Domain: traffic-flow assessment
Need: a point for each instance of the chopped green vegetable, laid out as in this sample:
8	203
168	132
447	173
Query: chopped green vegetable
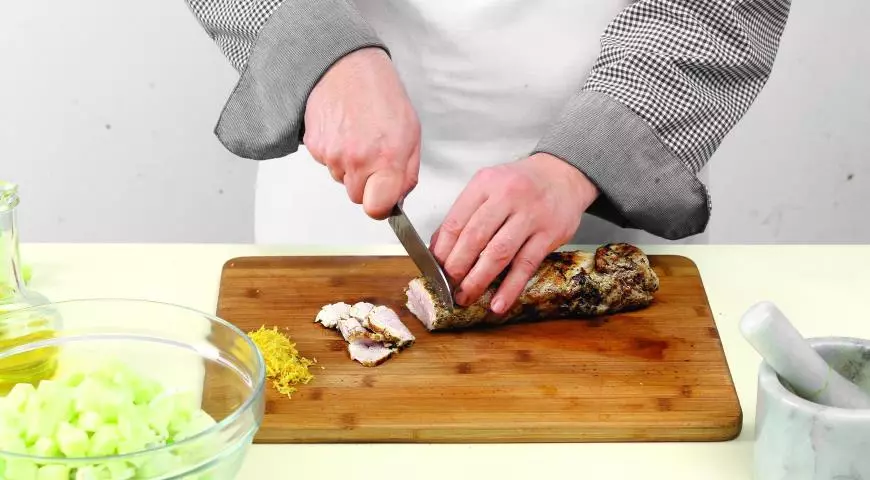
99	413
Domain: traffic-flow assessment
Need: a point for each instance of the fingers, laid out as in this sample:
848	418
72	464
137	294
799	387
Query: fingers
433	242
382	191
471	198
523	266
476	234
494	258
412	172
337	174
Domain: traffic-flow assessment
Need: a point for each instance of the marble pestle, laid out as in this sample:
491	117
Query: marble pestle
768	330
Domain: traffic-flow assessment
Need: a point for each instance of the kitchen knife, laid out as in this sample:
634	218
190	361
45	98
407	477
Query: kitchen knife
420	254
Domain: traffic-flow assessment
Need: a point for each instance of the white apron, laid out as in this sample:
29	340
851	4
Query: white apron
486	77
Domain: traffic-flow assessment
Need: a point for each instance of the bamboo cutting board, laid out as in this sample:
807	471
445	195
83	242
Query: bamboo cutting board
657	374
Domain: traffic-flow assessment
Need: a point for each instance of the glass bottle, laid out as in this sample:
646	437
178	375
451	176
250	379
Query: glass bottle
17	327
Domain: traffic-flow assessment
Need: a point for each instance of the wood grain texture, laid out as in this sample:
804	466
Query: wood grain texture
657	374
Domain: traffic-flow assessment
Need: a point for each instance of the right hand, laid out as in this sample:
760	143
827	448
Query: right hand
360	124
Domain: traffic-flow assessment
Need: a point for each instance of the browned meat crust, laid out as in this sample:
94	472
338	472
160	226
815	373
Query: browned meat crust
569	284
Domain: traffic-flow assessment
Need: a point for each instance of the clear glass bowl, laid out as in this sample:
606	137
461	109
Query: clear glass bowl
216	364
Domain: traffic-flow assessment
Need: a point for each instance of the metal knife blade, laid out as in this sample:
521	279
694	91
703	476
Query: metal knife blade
420	254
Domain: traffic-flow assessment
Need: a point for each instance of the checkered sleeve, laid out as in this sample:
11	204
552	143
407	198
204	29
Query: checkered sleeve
281	48
233	24
672	78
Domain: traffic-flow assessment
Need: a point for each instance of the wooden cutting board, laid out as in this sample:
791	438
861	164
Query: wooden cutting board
657	374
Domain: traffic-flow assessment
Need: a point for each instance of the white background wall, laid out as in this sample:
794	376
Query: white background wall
107	110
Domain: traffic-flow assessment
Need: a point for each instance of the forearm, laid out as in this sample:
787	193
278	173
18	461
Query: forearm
281	49
672	79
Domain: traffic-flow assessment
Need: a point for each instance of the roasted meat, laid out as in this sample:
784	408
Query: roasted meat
568	284
384	321
369	353
373	333
329	315
351	329
360	310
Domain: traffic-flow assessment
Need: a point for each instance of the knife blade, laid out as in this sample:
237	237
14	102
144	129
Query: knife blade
420	254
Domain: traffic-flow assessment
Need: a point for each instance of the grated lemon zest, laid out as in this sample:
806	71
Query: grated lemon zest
284	366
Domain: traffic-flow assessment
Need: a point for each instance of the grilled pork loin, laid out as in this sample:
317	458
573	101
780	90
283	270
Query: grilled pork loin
373	333
568	284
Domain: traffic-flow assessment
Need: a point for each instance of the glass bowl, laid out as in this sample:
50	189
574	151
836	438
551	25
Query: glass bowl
72	372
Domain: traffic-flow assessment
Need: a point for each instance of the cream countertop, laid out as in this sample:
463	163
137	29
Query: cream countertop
821	288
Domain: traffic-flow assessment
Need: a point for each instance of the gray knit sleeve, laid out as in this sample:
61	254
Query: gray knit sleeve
672	79
281	48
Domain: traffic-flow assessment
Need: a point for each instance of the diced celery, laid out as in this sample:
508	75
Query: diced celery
53	472
17	469
91	472
12	442
99	413
72	441
104	441
39	421
45	447
199	421
159	464
17	398
89	421
120	470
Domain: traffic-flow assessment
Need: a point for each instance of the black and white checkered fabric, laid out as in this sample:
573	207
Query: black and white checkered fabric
690	68
234	24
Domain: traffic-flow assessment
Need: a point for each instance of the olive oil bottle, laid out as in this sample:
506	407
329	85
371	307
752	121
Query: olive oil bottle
20	325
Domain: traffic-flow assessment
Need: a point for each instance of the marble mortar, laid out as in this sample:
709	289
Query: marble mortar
796	439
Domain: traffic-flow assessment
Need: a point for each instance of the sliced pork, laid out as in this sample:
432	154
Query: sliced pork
369	353
351	329
384	321
373	333
616	277
360	310
329	315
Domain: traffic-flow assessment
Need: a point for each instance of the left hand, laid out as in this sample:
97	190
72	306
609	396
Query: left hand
513	214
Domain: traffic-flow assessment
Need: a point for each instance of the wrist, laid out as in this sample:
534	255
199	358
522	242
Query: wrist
561	171
349	69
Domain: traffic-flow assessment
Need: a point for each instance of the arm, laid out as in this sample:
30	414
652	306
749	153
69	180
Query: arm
672	79
281	49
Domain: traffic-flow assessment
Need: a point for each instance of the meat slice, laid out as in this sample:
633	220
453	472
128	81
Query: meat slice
330	314
360	310
373	333
369	353
351	329
383	320
568	284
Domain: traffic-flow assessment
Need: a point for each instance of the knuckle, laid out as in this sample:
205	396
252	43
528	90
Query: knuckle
354	159
389	152
516	184
486	174
525	265
476	236
451	226
330	158
454	270
499	252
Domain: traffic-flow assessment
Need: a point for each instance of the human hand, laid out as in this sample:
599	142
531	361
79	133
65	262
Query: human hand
360	124
513	214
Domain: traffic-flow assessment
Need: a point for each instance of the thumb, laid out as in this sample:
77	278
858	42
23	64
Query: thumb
382	192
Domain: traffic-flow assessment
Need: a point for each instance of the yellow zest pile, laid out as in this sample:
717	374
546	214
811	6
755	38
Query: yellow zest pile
284	366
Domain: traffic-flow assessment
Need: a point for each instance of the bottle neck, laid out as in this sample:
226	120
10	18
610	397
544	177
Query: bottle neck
11	277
